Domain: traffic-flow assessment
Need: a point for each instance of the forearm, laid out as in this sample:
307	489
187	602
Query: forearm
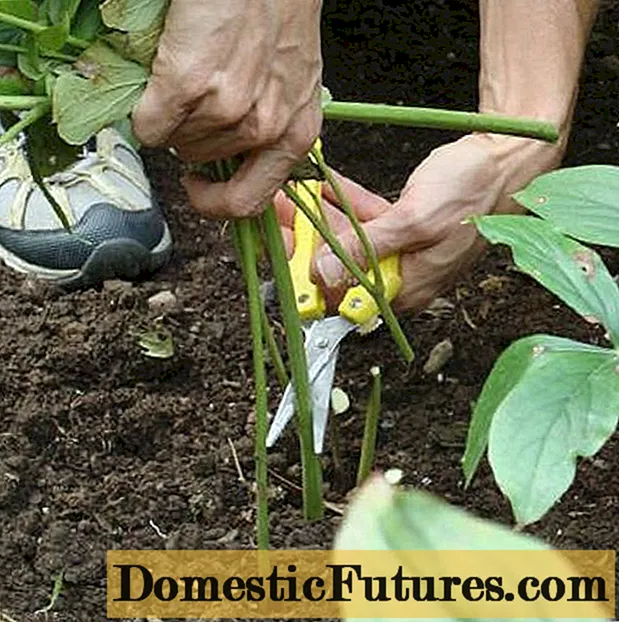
531	56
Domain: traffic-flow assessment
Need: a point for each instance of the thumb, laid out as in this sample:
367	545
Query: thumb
384	233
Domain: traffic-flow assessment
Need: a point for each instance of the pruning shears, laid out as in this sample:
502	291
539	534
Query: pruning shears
358	312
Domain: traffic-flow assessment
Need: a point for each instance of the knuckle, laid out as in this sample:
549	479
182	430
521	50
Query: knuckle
237	205
229	109
303	134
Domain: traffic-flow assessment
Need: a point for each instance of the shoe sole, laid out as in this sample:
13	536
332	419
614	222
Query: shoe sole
119	258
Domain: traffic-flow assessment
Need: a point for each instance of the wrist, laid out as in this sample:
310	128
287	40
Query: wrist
517	161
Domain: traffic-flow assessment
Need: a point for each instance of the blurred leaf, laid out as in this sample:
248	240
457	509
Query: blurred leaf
582	202
157	343
383	517
571	271
14	84
140	46
132	15
109	90
564	406
53	37
60	11
87	21
26	9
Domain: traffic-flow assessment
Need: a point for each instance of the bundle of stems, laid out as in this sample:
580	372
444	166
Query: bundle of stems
261	332
67	47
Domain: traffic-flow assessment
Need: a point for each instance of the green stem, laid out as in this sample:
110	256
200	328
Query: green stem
35	28
274	353
18	49
22	102
312	475
34	114
334	429
371	426
390	319
245	241
440	119
368	247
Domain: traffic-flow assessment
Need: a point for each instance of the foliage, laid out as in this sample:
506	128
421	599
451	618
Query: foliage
550	400
408	521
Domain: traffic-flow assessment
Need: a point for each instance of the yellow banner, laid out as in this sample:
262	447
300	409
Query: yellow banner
361	584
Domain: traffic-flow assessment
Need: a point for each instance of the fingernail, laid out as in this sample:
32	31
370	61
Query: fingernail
331	269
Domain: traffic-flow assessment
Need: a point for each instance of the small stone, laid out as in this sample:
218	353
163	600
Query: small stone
440	354
116	286
163	302
268	293
217	329
394	476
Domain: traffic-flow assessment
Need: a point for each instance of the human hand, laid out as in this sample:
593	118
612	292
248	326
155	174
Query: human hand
231	77
472	176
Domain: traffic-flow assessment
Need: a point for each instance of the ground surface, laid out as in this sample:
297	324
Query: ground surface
101	447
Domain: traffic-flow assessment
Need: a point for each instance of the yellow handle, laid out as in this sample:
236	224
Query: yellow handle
310	301
359	306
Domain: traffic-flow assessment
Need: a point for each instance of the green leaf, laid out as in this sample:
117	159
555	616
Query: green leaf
87	21
383	517
140	46
61	10
108	91
571	271
53	37
564	406
14	85
582	202
26	9
132	15
49	152
505	375
157	343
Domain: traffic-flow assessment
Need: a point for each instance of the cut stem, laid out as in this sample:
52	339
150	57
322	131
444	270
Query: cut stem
245	241
312	475
371	427
440	119
35	28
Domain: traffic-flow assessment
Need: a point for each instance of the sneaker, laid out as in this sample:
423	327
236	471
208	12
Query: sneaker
117	229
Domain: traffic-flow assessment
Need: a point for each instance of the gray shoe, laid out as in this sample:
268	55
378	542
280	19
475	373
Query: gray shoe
117	230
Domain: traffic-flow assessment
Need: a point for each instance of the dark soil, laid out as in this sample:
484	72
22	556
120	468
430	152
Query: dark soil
102	447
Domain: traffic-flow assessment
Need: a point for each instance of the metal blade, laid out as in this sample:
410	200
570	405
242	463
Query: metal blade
321	400
321	346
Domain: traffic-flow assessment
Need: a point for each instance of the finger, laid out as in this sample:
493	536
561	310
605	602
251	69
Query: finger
158	113
264	123
384	234
285	209
249	190
366	204
288	237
